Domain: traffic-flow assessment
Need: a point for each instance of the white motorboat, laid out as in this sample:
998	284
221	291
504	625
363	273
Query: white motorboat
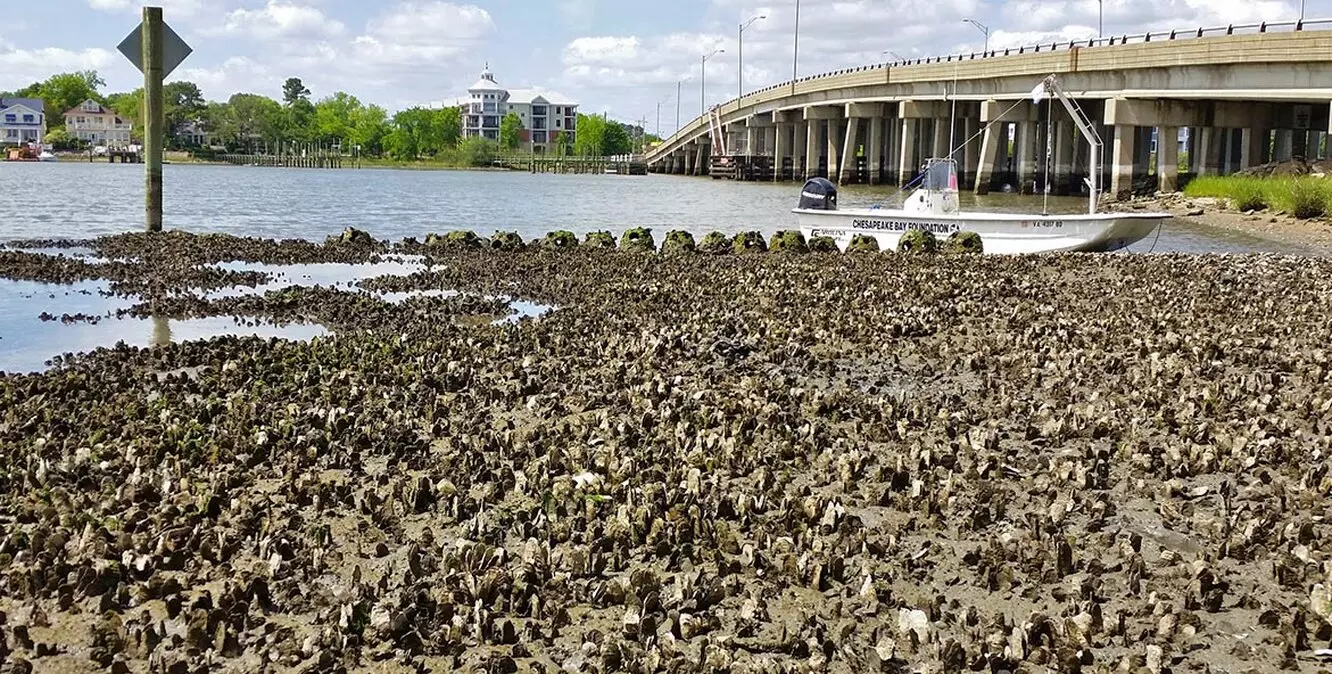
933	207
47	156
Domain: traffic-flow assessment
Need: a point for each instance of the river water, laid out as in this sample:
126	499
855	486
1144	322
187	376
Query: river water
78	200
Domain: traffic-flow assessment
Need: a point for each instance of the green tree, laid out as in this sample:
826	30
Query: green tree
411	134
447	123
298	121
253	119
66	90
128	106
510	132
334	117
60	139
478	151
368	129
616	140
183	103
293	90
589	136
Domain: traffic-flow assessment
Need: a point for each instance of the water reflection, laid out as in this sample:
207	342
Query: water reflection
85	313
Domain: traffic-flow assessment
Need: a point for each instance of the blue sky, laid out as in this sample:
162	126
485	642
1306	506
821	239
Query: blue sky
623	57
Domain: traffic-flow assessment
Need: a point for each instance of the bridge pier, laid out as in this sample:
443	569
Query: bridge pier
1167	158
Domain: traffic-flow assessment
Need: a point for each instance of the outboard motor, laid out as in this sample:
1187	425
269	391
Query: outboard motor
819	194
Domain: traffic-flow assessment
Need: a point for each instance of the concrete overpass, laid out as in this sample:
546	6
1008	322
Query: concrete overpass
1248	94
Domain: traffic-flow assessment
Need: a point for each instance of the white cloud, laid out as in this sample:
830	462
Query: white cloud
235	75
170	8
281	20
21	67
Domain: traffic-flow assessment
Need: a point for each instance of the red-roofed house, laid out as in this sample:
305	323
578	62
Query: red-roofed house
98	125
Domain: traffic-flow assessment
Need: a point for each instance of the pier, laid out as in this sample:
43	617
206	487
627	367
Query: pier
1246	94
319	160
621	165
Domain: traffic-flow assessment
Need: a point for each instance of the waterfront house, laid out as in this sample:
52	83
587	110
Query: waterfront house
22	121
547	117
97	125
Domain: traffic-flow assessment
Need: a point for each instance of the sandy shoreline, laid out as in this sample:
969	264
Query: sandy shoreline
1268	224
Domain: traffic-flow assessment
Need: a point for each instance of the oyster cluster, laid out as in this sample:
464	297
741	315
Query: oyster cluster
699	462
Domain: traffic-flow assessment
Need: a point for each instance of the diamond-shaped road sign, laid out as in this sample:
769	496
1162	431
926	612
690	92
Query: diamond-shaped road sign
174	49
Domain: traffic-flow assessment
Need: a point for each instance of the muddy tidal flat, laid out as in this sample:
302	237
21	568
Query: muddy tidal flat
594	460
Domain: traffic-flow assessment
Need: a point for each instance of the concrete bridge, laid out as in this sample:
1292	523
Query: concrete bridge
1248	95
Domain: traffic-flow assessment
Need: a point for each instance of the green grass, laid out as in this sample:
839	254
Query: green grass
1301	196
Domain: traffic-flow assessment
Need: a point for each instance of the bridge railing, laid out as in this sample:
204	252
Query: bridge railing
757	95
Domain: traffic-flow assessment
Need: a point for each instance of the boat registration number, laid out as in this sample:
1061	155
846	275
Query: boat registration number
1042	223
905	225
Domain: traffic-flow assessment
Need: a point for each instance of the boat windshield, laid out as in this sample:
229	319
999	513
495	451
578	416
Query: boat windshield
940	175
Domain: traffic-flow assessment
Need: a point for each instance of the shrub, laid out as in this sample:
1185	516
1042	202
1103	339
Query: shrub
1247	196
788	241
1308	199
639	239
823	244
560	240
715	243
599	240
749	242
918	241
964	242
465	239
863	243
506	241
677	243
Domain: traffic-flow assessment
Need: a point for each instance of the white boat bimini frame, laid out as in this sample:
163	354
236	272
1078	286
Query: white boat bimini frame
933	206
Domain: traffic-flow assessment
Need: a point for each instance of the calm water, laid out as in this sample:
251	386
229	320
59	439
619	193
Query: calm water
75	200
80	200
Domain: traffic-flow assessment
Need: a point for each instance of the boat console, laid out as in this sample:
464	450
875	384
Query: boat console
937	194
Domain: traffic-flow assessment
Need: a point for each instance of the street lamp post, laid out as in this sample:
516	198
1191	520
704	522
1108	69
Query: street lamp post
678	85
1100	18
741	67
795	53
703	84
889	52
982	28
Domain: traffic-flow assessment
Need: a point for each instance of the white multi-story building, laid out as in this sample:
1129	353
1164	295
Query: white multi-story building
548	118
22	121
98	125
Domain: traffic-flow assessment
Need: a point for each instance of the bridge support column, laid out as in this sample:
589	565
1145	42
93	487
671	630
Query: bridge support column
1282	147
970	151
939	147
800	151
834	150
1299	141
689	155
1313	145
892	150
850	144
1025	147
1064	143
1249	150
813	128
701	161
1167	158
778	150
906	165
989	156
1121	157
874	155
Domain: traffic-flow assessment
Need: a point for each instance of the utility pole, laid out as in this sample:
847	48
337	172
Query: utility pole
153	115
703	84
678	85
795	54
1100	17
741	67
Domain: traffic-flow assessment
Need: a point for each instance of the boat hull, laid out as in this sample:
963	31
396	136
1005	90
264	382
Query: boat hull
1001	233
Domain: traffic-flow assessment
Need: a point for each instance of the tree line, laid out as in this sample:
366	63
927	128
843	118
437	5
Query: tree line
254	123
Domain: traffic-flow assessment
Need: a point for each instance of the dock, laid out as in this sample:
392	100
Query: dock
632	165
317	160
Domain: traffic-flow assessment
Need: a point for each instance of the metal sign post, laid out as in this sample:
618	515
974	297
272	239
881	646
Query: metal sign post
155	50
